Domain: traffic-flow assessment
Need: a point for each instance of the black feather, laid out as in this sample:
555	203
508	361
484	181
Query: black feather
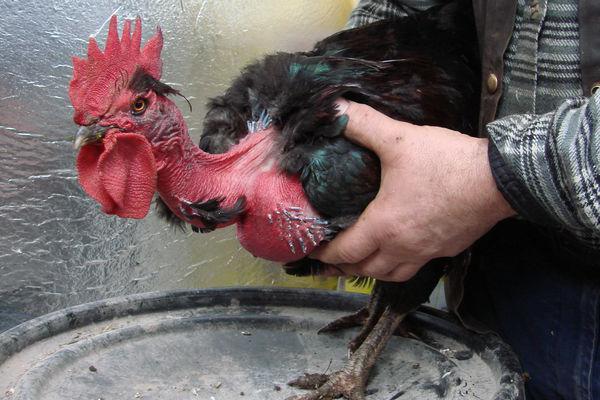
210	213
141	82
428	78
165	213
423	69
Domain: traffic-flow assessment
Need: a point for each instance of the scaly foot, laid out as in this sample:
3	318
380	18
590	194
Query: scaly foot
350	382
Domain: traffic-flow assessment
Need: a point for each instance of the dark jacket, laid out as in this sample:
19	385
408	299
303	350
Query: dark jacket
495	23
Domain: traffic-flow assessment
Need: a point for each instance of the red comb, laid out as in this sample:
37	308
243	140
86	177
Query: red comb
98	76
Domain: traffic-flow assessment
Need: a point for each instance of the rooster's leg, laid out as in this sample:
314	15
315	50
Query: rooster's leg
366	317
358	318
350	381
389	303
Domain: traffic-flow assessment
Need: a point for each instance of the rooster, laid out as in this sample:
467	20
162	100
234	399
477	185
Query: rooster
272	157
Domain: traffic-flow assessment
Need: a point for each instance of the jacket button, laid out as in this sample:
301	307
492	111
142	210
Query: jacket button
534	9
492	83
595	87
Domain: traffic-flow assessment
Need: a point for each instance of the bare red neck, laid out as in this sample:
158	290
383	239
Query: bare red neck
186	174
278	223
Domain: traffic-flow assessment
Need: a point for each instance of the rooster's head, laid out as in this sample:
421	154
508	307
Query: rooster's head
123	112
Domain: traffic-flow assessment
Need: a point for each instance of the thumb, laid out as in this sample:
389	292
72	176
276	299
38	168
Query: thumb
370	128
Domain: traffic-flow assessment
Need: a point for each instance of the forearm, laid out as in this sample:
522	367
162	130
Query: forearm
548	166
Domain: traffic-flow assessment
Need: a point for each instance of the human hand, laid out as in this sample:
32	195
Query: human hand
437	197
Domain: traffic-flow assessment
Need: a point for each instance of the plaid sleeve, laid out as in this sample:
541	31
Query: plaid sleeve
368	11
548	166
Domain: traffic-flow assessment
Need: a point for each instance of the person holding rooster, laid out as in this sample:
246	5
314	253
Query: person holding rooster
525	194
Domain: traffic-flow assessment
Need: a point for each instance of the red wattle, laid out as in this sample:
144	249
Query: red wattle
119	173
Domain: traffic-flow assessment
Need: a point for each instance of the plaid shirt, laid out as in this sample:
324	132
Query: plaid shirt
545	144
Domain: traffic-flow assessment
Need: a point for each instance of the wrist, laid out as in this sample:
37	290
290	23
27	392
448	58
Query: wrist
497	205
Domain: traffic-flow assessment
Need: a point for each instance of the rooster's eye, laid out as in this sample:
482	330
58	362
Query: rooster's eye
138	106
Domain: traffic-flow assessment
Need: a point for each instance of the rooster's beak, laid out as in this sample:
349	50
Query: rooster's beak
88	134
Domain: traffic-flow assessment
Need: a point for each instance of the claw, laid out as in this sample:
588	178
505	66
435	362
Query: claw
350	382
347	321
341	384
309	381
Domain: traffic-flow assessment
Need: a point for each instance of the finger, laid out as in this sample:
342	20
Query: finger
370	128
331	270
401	273
350	246
378	265
397	272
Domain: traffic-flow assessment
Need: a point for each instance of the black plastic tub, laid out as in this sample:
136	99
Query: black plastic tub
238	344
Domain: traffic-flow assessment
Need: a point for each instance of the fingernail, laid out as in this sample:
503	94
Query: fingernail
341	106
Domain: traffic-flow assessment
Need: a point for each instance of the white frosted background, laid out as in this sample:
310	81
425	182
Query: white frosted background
56	248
